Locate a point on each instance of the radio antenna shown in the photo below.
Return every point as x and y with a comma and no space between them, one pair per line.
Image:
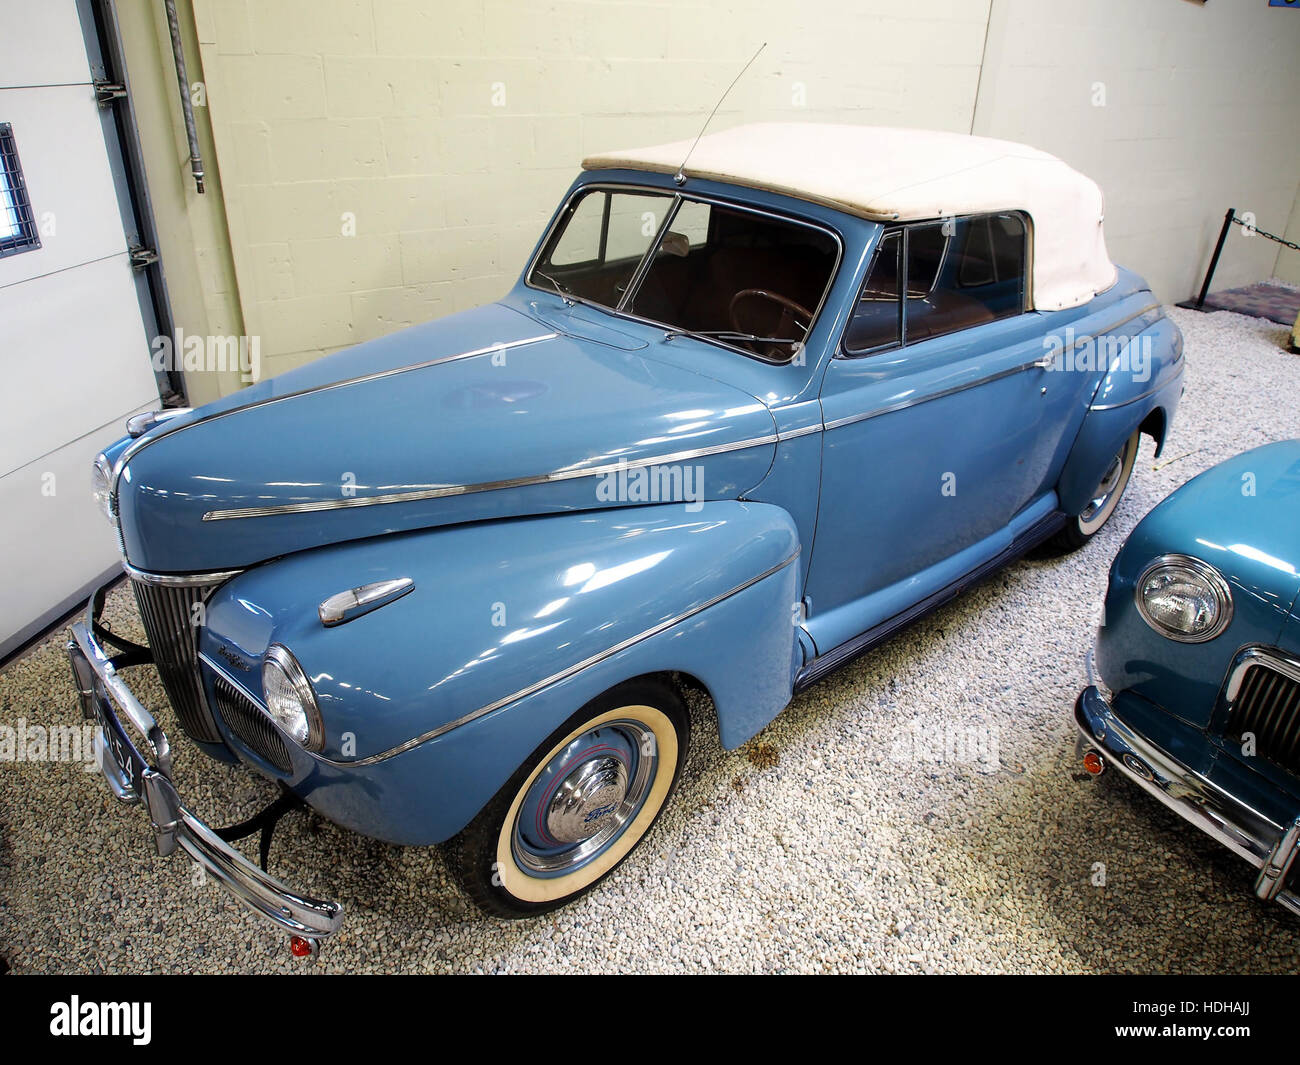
680,177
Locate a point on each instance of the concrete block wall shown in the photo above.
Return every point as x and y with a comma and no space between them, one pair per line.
1178,109
384,162
442,134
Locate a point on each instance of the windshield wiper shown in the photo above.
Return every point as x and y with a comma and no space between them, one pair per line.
729,334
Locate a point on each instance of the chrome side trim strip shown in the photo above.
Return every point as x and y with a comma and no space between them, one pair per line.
555,678
441,491
183,580
929,397
794,434
141,443
988,379
1136,399
1127,402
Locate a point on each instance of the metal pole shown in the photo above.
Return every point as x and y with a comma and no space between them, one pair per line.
187,107
1214,259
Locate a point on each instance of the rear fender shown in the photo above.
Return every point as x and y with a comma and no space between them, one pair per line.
1141,391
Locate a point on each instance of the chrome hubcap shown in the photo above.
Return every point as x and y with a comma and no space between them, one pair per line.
1104,490
584,798
587,800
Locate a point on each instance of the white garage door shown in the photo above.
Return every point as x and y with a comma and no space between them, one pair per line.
73,342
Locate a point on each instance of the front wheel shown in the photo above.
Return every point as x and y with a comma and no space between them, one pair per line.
1103,501
578,806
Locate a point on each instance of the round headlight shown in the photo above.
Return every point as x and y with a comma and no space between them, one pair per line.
289,698
1183,598
101,486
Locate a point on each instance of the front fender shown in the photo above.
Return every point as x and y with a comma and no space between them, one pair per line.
1140,392
503,616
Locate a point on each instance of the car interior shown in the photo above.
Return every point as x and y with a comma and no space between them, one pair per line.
718,269
960,273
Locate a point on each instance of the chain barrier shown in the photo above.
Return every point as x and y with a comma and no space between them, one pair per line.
1255,230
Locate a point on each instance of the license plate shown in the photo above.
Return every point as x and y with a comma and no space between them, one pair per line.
118,746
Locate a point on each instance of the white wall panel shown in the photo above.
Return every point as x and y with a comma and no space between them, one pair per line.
60,144
74,355
74,351
41,43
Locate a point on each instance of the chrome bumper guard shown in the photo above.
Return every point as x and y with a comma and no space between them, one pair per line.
135,779
1269,847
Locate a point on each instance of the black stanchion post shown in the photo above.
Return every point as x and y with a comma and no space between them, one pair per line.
1214,259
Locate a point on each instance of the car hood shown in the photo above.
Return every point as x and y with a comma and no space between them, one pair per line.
481,415
1243,517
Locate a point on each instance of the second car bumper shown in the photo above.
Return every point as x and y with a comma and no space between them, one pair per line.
137,779
1270,847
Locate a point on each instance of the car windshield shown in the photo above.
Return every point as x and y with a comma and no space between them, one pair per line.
743,278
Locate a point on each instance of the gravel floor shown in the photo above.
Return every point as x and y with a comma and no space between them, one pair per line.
837,840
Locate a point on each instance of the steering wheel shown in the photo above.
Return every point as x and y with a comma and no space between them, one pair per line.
791,315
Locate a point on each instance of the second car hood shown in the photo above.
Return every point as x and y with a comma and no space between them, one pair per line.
1243,517
488,414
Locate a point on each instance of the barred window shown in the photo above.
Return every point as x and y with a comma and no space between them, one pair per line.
17,226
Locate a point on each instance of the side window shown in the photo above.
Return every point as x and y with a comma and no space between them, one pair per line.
959,273
692,222
1010,243
876,320
633,222
977,254
599,244
580,242
963,273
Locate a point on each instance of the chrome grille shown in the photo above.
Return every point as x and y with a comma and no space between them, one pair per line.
1266,704
167,611
252,726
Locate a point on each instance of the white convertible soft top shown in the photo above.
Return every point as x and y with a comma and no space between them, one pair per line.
887,174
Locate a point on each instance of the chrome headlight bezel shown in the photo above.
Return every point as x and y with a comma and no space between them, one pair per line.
101,488
1199,570
279,658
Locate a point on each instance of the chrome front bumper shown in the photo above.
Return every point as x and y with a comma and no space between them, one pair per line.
1267,845
136,779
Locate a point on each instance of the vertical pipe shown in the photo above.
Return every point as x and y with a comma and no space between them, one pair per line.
187,107
1214,259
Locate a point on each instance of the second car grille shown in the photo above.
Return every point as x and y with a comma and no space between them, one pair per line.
167,611
247,722
1268,706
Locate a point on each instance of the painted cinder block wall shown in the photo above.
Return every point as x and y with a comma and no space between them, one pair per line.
384,162
1178,109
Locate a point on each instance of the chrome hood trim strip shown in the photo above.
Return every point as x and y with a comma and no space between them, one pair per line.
142,442
179,580
442,491
554,678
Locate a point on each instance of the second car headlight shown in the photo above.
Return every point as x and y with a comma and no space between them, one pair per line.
101,486
1184,599
289,698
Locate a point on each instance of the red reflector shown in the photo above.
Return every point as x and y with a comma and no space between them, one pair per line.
1094,763
301,947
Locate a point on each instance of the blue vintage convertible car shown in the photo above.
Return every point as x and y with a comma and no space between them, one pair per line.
743,416
1198,699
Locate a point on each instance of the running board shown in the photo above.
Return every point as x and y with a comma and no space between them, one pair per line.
846,652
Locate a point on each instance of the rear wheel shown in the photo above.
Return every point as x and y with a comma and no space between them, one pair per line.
1102,502
578,806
